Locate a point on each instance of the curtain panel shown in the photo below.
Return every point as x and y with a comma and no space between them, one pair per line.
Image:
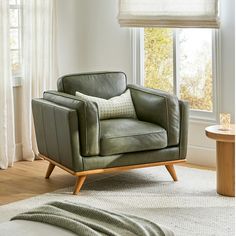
169,13
39,63
7,129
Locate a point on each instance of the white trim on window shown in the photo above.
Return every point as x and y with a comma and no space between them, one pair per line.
176,63
216,76
137,56
138,71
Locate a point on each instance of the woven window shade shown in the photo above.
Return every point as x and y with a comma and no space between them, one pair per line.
169,13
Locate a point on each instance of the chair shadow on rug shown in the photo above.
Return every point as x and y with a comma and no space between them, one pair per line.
149,128
128,180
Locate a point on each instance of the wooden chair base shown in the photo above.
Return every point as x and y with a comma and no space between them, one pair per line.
172,172
81,176
49,170
79,183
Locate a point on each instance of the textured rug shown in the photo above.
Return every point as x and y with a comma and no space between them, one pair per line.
190,206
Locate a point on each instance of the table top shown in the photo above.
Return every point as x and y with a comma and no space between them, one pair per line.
218,133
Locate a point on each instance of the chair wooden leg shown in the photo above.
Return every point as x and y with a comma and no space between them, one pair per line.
172,172
79,182
49,170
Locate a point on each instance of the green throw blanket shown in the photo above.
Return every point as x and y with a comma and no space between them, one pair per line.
85,220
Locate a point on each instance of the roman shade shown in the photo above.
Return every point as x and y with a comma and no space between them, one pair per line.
169,13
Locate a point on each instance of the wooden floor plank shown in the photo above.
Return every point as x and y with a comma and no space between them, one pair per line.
26,179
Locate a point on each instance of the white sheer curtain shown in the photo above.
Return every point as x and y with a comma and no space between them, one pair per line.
39,63
7,130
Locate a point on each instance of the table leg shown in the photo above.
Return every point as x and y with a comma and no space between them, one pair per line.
225,168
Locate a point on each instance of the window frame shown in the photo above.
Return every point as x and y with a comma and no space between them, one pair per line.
17,77
137,41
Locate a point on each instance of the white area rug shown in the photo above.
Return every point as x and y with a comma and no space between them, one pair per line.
189,207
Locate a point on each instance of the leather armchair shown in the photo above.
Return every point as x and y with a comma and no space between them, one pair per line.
70,135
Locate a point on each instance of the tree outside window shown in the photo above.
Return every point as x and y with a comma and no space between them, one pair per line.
180,61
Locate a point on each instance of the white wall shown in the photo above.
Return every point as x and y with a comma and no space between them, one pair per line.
201,150
69,35
90,34
228,56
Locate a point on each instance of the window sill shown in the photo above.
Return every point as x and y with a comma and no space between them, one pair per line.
204,121
16,81
203,117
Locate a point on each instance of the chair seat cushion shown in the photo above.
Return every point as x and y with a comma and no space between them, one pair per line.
130,135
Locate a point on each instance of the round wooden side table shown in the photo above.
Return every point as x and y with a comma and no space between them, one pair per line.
225,160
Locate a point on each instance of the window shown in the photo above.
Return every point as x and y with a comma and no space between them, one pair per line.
181,61
15,36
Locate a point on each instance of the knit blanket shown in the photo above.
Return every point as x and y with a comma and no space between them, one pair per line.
85,220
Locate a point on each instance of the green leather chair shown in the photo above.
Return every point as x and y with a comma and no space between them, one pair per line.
70,135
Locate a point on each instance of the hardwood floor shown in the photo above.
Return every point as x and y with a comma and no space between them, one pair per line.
26,179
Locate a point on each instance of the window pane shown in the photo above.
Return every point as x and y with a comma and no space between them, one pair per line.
195,70
14,18
14,40
158,61
15,62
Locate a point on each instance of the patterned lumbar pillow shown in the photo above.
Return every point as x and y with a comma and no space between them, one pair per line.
116,107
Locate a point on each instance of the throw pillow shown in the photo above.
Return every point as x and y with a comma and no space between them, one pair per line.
115,107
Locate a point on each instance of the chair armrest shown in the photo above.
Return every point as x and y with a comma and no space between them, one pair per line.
57,134
184,118
88,119
158,107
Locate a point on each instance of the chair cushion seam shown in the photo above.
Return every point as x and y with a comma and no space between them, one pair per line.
64,96
129,136
94,73
167,117
86,131
149,92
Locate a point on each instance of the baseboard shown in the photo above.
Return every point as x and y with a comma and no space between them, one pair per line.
19,154
201,156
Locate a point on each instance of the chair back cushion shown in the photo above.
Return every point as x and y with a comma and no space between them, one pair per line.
98,84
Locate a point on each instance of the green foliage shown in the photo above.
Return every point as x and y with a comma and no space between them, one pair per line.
158,65
203,102
158,45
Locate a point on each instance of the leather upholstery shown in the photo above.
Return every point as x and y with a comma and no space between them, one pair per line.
69,132
98,84
57,133
183,141
130,135
132,158
88,120
158,107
